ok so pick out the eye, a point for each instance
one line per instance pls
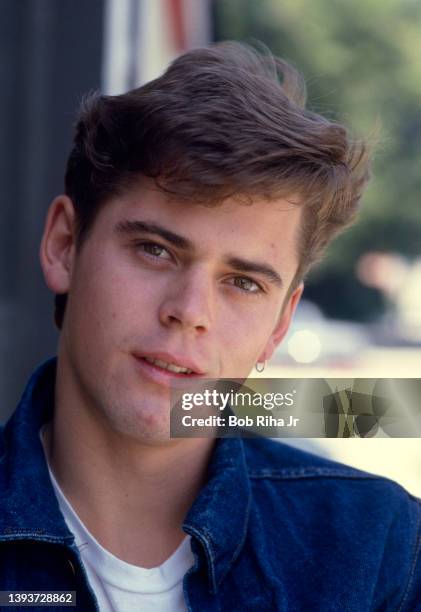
(153, 249)
(246, 284)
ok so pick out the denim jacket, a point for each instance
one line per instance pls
(274, 528)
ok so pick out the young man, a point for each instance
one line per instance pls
(193, 208)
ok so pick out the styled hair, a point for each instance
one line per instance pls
(220, 122)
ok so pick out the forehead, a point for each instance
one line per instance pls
(257, 227)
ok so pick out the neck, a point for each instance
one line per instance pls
(132, 496)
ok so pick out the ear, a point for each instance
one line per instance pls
(283, 323)
(58, 244)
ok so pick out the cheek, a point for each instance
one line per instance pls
(243, 336)
(95, 308)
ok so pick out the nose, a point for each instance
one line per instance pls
(188, 303)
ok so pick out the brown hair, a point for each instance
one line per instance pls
(221, 121)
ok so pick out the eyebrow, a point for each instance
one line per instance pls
(142, 227)
(238, 263)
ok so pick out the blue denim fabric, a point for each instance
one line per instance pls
(274, 528)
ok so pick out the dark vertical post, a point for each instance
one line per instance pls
(51, 54)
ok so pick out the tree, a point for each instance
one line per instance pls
(362, 63)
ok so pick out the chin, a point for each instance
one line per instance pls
(142, 423)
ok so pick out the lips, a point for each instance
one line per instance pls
(171, 364)
(171, 367)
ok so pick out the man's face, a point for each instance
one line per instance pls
(160, 283)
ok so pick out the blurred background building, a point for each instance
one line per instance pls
(361, 314)
(52, 53)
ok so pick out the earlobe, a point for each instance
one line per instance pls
(58, 244)
(283, 324)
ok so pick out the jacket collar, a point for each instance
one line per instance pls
(28, 505)
(219, 516)
(29, 509)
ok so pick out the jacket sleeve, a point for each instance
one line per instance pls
(411, 601)
(399, 581)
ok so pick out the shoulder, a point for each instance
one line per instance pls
(267, 458)
(275, 460)
(343, 513)
(277, 463)
(312, 488)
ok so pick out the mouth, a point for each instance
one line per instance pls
(168, 366)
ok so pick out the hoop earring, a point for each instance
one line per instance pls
(260, 366)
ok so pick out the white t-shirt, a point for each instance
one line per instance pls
(121, 586)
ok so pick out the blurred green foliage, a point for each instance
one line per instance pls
(362, 64)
